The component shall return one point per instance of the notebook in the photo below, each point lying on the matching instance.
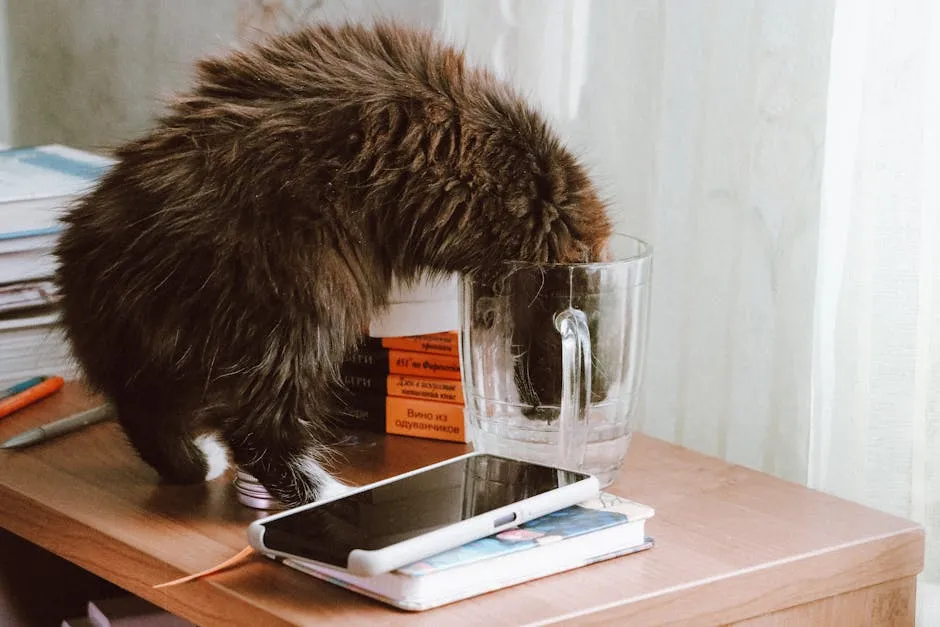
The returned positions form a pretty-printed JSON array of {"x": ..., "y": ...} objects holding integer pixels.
[{"x": 604, "y": 528}]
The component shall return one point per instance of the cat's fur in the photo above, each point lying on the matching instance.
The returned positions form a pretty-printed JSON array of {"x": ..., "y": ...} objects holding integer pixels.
[{"x": 220, "y": 272}]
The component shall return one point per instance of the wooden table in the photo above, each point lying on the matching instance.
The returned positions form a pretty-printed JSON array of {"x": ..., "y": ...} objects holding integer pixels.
[{"x": 733, "y": 545}]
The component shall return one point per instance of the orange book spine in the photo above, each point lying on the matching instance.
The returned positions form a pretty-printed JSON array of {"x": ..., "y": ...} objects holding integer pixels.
[
  {"x": 385, "y": 361},
  {"x": 442, "y": 390},
  {"x": 425, "y": 419},
  {"x": 424, "y": 365},
  {"x": 437, "y": 343},
  {"x": 412, "y": 417}
]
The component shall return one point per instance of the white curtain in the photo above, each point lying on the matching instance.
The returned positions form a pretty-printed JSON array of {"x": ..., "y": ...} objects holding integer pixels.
[
  {"x": 704, "y": 121},
  {"x": 875, "y": 429},
  {"x": 784, "y": 160},
  {"x": 5, "y": 117}
]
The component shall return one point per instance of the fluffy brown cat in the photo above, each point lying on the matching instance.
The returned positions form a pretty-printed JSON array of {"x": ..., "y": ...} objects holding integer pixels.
[{"x": 217, "y": 276}]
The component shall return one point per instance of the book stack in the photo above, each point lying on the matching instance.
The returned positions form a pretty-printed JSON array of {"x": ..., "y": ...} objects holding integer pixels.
[
  {"x": 36, "y": 186},
  {"x": 407, "y": 385}
]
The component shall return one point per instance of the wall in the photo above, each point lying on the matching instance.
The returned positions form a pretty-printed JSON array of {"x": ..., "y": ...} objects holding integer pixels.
[
  {"x": 5, "y": 134},
  {"x": 735, "y": 212},
  {"x": 93, "y": 73}
]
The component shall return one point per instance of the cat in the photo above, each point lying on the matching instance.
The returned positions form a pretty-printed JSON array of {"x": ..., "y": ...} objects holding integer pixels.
[{"x": 217, "y": 275}]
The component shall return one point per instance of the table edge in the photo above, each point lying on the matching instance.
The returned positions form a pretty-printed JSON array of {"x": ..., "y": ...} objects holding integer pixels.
[
  {"x": 187, "y": 601},
  {"x": 906, "y": 545},
  {"x": 190, "y": 600}
]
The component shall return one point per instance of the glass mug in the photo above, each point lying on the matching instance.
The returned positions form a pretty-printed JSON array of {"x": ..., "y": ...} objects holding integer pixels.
[{"x": 552, "y": 357}]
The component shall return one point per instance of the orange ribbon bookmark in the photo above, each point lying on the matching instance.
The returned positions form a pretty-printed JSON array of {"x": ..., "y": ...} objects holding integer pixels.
[{"x": 244, "y": 553}]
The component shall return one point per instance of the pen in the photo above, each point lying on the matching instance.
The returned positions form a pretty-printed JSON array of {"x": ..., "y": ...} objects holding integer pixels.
[
  {"x": 59, "y": 427},
  {"x": 19, "y": 387},
  {"x": 19, "y": 400}
]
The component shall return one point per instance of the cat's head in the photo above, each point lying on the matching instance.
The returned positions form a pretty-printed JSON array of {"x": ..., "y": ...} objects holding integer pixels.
[
  {"x": 544, "y": 206},
  {"x": 553, "y": 214}
]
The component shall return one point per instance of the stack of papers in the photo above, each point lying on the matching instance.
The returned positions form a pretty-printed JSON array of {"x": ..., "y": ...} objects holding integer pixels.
[{"x": 37, "y": 185}]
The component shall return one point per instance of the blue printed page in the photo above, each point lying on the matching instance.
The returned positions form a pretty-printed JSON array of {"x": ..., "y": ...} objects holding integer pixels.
[
  {"x": 47, "y": 171},
  {"x": 606, "y": 511}
]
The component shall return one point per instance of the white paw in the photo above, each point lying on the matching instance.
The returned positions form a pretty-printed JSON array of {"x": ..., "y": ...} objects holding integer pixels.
[
  {"x": 216, "y": 454},
  {"x": 329, "y": 486}
]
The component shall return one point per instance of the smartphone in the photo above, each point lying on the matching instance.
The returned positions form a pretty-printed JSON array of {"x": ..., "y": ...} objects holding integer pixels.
[{"x": 386, "y": 525}]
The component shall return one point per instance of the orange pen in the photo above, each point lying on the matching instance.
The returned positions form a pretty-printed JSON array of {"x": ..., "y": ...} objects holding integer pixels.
[{"x": 49, "y": 386}]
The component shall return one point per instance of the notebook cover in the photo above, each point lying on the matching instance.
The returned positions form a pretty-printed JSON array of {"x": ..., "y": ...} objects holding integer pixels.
[
  {"x": 48, "y": 171},
  {"x": 484, "y": 587},
  {"x": 37, "y": 183},
  {"x": 606, "y": 511},
  {"x": 454, "y": 575}
]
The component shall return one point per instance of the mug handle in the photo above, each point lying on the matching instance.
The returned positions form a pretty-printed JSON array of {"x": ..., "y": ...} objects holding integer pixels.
[{"x": 572, "y": 324}]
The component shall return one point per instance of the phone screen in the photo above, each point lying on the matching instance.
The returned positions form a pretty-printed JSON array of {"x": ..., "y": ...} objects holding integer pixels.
[{"x": 385, "y": 515}]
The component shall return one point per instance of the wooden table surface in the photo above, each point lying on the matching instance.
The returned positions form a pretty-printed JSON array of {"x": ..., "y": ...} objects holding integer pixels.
[{"x": 733, "y": 545}]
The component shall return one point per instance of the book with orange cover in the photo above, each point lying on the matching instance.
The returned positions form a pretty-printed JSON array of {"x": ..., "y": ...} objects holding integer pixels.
[
  {"x": 383, "y": 361},
  {"x": 435, "y": 343},
  {"x": 403, "y": 385},
  {"x": 408, "y": 416}
]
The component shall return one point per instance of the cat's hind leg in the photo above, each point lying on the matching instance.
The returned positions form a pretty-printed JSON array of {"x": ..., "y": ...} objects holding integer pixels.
[
  {"x": 276, "y": 443},
  {"x": 166, "y": 438}
]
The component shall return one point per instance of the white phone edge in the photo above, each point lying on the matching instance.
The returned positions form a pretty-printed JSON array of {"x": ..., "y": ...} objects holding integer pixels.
[{"x": 366, "y": 563}]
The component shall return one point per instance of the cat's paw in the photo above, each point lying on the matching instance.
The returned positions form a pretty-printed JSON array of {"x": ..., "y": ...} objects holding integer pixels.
[
  {"x": 325, "y": 486},
  {"x": 217, "y": 455}
]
